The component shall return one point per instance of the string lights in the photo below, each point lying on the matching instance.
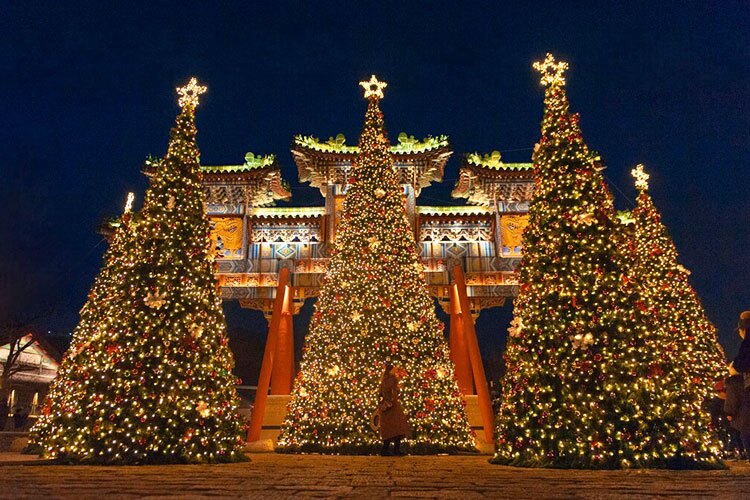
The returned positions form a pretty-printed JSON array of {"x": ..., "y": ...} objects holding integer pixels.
[
  {"x": 374, "y": 308},
  {"x": 148, "y": 377},
  {"x": 588, "y": 382}
]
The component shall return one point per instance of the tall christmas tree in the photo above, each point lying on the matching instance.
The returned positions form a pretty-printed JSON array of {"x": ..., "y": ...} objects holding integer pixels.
[
  {"x": 577, "y": 392},
  {"x": 68, "y": 386},
  {"x": 686, "y": 335},
  {"x": 149, "y": 375},
  {"x": 374, "y": 308}
]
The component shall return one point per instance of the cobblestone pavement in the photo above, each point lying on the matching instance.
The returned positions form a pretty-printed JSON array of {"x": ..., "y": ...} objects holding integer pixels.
[{"x": 270, "y": 476}]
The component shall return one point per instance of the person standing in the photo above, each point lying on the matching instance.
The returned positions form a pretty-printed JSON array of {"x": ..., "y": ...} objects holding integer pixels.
[
  {"x": 737, "y": 408},
  {"x": 393, "y": 424},
  {"x": 741, "y": 362}
]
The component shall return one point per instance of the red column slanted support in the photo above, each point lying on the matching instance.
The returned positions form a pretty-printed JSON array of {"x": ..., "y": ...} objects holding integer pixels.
[
  {"x": 282, "y": 372},
  {"x": 261, "y": 394},
  {"x": 459, "y": 349},
  {"x": 480, "y": 380}
]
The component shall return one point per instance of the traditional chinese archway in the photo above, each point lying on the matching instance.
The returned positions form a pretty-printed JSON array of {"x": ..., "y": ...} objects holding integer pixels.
[{"x": 273, "y": 258}]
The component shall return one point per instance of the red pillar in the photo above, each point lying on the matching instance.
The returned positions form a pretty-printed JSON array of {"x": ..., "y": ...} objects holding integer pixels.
[
  {"x": 281, "y": 375},
  {"x": 261, "y": 394},
  {"x": 459, "y": 350},
  {"x": 483, "y": 394}
]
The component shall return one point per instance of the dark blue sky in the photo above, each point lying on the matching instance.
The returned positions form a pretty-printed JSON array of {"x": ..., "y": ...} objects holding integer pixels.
[{"x": 87, "y": 92}]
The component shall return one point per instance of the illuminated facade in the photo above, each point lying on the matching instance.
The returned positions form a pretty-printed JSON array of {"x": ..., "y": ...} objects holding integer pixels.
[
  {"x": 256, "y": 240},
  {"x": 272, "y": 258}
]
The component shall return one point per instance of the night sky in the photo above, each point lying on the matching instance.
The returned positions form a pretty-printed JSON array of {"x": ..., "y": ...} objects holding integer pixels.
[{"x": 87, "y": 92}]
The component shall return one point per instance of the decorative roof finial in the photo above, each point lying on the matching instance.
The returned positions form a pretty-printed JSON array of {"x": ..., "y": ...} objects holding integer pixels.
[
  {"x": 641, "y": 177},
  {"x": 551, "y": 70},
  {"x": 129, "y": 202},
  {"x": 373, "y": 88},
  {"x": 190, "y": 92}
]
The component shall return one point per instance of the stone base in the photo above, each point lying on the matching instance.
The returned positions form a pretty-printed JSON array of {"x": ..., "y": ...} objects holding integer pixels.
[
  {"x": 276, "y": 411},
  {"x": 474, "y": 415},
  {"x": 13, "y": 441}
]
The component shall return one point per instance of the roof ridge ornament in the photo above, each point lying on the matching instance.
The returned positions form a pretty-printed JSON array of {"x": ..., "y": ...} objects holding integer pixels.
[
  {"x": 641, "y": 177},
  {"x": 373, "y": 88},
  {"x": 190, "y": 92},
  {"x": 552, "y": 70}
]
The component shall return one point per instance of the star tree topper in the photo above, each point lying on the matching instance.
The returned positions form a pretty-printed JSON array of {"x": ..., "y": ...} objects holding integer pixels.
[
  {"x": 373, "y": 88},
  {"x": 641, "y": 177},
  {"x": 551, "y": 70},
  {"x": 129, "y": 202},
  {"x": 190, "y": 92}
]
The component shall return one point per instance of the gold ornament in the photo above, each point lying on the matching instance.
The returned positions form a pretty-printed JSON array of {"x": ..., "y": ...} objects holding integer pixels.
[
  {"x": 379, "y": 193},
  {"x": 582, "y": 341},
  {"x": 413, "y": 326},
  {"x": 171, "y": 202},
  {"x": 683, "y": 269},
  {"x": 586, "y": 219},
  {"x": 155, "y": 300},
  {"x": 373, "y": 88},
  {"x": 373, "y": 243},
  {"x": 190, "y": 92},
  {"x": 356, "y": 316},
  {"x": 196, "y": 331},
  {"x": 203, "y": 409},
  {"x": 516, "y": 327}
]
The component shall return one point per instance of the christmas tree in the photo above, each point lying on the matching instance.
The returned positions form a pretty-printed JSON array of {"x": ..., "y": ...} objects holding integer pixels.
[
  {"x": 149, "y": 375},
  {"x": 686, "y": 336},
  {"x": 577, "y": 392},
  {"x": 374, "y": 308}
]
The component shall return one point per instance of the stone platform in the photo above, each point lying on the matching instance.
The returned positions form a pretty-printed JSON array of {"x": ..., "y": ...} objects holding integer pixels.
[
  {"x": 271, "y": 476},
  {"x": 276, "y": 412}
]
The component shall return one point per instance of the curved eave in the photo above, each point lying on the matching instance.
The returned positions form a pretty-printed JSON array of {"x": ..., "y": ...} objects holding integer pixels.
[{"x": 318, "y": 167}]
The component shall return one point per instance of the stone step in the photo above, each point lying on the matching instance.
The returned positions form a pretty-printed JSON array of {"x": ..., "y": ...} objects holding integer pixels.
[{"x": 276, "y": 412}]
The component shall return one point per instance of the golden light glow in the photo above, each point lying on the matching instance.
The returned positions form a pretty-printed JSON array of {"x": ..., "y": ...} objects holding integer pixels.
[
  {"x": 190, "y": 92},
  {"x": 148, "y": 375},
  {"x": 129, "y": 202},
  {"x": 374, "y": 308},
  {"x": 373, "y": 87},
  {"x": 641, "y": 177},
  {"x": 552, "y": 71}
]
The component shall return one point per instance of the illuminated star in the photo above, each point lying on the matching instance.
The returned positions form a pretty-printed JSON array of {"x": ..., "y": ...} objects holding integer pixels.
[
  {"x": 413, "y": 326},
  {"x": 551, "y": 70},
  {"x": 356, "y": 316},
  {"x": 190, "y": 92},
  {"x": 129, "y": 202},
  {"x": 641, "y": 177},
  {"x": 373, "y": 88}
]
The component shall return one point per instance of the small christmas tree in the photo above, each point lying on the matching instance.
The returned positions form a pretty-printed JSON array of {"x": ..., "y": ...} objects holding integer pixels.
[
  {"x": 576, "y": 392},
  {"x": 684, "y": 335},
  {"x": 149, "y": 375},
  {"x": 374, "y": 308}
]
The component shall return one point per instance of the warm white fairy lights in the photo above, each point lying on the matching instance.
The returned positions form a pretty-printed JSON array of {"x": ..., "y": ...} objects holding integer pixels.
[
  {"x": 190, "y": 92},
  {"x": 641, "y": 177},
  {"x": 373, "y": 87},
  {"x": 552, "y": 71},
  {"x": 129, "y": 202}
]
